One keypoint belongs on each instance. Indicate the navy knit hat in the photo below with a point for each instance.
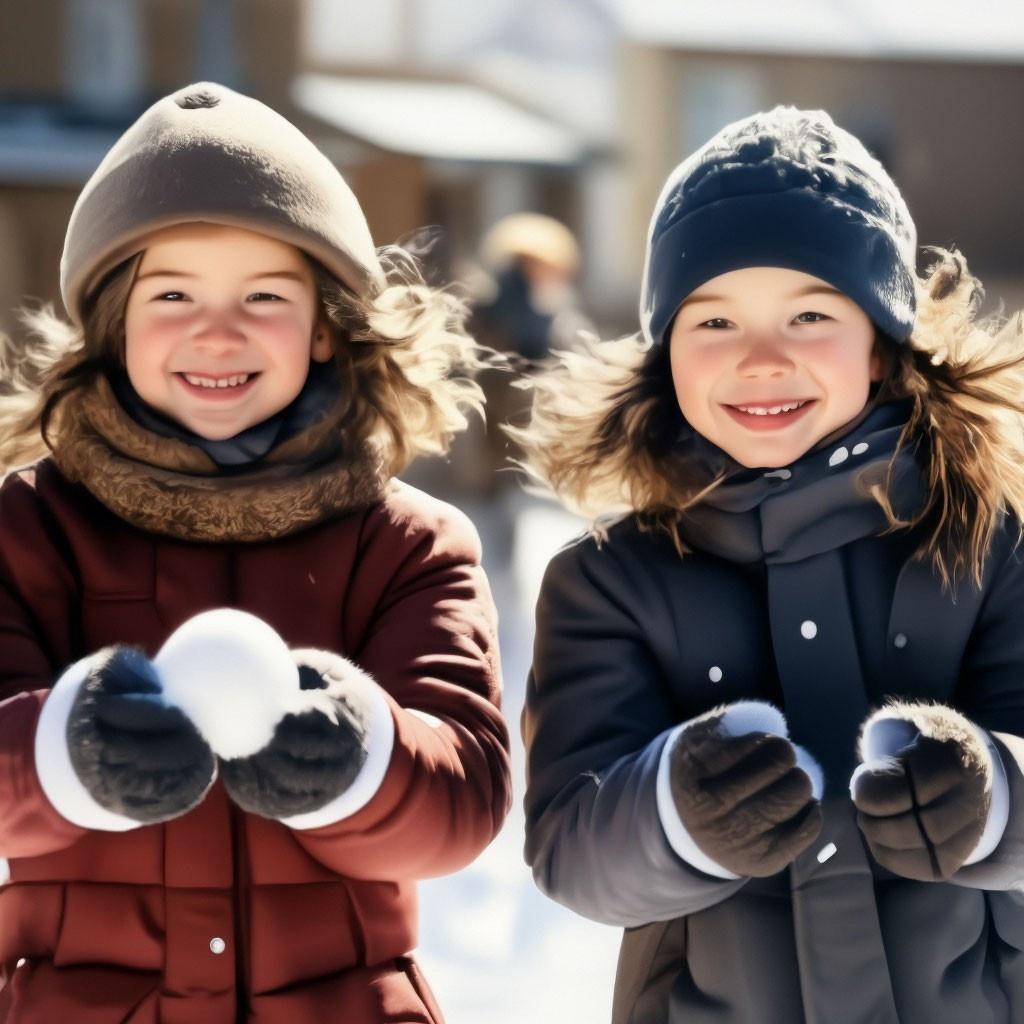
(786, 188)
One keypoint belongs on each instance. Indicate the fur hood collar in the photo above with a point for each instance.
(170, 487)
(605, 424)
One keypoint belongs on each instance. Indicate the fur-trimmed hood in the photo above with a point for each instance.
(605, 421)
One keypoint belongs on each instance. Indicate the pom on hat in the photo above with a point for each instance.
(786, 188)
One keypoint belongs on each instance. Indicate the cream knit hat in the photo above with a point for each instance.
(207, 153)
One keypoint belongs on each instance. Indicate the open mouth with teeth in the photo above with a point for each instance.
(769, 417)
(220, 386)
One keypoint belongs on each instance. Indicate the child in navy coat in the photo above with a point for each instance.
(774, 716)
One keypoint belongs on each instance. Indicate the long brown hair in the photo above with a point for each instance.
(605, 419)
(404, 358)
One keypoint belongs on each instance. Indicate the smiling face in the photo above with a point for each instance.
(220, 327)
(768, 361)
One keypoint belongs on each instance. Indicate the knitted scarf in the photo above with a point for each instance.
(794, 521)
(171, 487)
(819, 503)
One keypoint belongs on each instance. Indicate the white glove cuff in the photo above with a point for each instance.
(360, 687)
(57, 776)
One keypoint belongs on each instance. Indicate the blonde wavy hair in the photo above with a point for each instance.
(605, 420)
(404, 358)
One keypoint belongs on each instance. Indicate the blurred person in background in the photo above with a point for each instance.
(529, 305)
(524, 304)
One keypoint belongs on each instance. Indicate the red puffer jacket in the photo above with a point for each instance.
(219, 916)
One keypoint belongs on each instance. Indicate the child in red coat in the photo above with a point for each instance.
(249, 682)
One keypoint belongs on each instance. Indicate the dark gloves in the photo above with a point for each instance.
(924, 807)
(135, 754)
(312, 757)
(141, 742)
(742, 798)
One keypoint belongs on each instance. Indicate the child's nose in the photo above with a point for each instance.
(765, 357)
(219, 332)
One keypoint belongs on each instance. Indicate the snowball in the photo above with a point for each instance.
(234, 677)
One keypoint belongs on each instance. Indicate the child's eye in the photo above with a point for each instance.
(715, 323)
(820, 316)
(168, 296)
(266, 295)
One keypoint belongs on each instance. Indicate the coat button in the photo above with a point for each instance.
(808, 629)
(217, 945)
(827, 851)
(900, 640)
(715, 674)
(861, 448)
(839, 455)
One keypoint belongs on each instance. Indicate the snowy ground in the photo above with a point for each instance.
(493, 948)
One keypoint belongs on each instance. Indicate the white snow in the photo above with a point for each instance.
(224, 661)
(492, 946)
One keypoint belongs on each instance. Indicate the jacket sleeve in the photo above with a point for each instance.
(598, 714)
(990, 693)
(429, 643)
(37, 616)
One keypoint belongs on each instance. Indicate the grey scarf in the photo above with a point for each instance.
(794, 522)
(819, 503)
(318, 397)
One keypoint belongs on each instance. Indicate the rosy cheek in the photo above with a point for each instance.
(846, 359)
(148, 339)
(159, 324)
(692, 387)
(706, 362)
(278, 327)
(821, 354)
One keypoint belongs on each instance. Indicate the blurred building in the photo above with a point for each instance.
(933, 87)
(935, 91)
(455, 115)
(75, 73)
(418, 145)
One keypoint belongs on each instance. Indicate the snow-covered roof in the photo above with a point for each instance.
(438, 120)
(985, 30)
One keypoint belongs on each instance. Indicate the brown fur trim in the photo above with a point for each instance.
(937, 722)
(94, 410)
(605, 421)
(172, 488)
(967, 383)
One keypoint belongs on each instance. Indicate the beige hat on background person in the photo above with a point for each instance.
(207, 153)
(533, 235)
